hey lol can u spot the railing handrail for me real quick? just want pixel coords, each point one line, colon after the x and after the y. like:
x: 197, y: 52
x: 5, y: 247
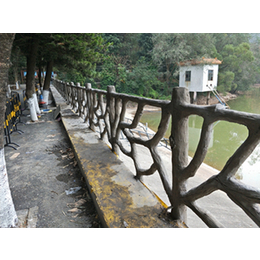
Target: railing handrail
x: 109, y: 117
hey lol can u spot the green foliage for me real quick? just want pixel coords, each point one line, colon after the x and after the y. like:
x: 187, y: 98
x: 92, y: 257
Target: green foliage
x: 145, y: 43
x: 254, y: 47
x: 80, y: 52
x: 171, y: 48
x: 75, y: 77
x: 73, y: 53
x: 108, y: 75
x: 146, y: 64
x: 19, y: 62
x: 143, y: 80
x: 226, y: 81
x: 237, y: 63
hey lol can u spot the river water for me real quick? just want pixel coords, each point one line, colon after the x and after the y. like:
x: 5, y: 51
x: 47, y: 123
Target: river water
x: 227, y: 137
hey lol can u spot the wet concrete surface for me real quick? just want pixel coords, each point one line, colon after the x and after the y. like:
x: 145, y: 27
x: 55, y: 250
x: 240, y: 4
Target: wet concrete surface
x: 43, y: 170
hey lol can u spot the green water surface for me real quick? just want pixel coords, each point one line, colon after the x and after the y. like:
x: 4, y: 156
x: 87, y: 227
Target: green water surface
x: 227, y: 137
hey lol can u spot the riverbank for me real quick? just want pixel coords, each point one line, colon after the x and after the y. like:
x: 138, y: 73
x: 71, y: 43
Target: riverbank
x: 202, y: 100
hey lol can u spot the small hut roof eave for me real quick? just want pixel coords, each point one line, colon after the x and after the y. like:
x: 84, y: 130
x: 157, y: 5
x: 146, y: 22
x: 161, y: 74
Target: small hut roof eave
x: 203, y: 61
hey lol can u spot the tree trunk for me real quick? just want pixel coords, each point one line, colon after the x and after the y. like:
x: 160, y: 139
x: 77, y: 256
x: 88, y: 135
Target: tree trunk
x: 15, y: 74
x: 47, y: 81
x: 40, y: 76
x: 168, y: 75
x: 30, y: 77
x: 179, y: 140
x: 6, y: 40
x: 17, y: 56
x: 8, y: 217
x: 31, y: 63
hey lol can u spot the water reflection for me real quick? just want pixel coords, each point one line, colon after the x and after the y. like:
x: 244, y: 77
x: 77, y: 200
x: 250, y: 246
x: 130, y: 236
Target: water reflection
x: 250, y: 170
x: 227, y: 138
x: 195, y: 125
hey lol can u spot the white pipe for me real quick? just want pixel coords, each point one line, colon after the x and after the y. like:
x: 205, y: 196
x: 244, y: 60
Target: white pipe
x: 45, y: 95
x: 36, y: 105
x: 8, y: 217
x: 32, y: 109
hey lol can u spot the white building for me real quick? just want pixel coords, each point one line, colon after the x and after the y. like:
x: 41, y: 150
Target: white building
x: 199, y: 75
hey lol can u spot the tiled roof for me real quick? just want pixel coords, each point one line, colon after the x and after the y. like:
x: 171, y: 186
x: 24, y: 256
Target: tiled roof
x: 201, y: 61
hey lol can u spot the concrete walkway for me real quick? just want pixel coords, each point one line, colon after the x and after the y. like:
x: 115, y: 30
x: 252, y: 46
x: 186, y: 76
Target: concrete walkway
x: 42, y: 174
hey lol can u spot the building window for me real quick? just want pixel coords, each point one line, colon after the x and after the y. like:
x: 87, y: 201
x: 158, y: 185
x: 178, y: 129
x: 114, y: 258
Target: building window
x: 210, y: 75
x: 187, y: 75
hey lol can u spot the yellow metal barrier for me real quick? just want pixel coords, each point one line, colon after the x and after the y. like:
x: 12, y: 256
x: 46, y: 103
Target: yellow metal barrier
x: 12, y: 118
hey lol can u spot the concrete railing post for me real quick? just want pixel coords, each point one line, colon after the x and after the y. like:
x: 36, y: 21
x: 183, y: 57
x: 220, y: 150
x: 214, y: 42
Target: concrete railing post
x: 66, y: 92
x: 90, y: 106
x: 111, y: 106
x: 179, y: 141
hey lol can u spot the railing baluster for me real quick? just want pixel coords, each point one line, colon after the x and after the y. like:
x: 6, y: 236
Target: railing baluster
x: 109, y: 116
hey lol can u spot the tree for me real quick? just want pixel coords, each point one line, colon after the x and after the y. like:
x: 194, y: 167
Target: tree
x: 238, y: 70
x: 124, y: 45
x: 223, y: 39
x: 255, y: 48
x: 171, y: 48
x: 145, y: 43
x: 237, y: 67
x: 129, y: 65
x: 32, y: 45
x: 29, y: 44
x: 8, y: 217
x: 19, y: 62
x: 143, y: 80
x: 75, y: 55
x: 120, y: 57
x: 67, y: 52
x: 109, y: 72
x: 128, y: 52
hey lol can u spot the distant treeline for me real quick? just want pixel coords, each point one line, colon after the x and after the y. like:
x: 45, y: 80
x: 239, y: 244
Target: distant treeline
x: 147, y: 64
x: 144, y: 64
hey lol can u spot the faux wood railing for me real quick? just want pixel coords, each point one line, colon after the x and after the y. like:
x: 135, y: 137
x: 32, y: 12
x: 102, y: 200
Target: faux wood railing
x: 106, y: 110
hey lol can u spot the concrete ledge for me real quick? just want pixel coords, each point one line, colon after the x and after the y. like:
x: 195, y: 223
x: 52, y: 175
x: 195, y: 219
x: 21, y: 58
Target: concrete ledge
x: 27, y: 218
x: 120, y: 200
